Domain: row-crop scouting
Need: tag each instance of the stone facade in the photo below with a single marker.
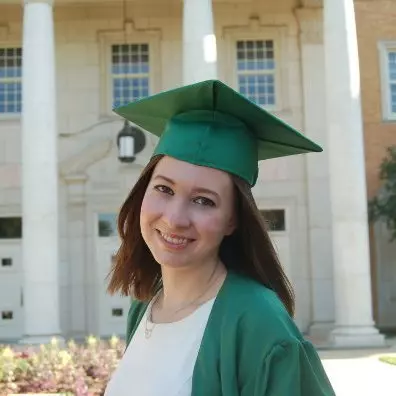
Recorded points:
(93, 182)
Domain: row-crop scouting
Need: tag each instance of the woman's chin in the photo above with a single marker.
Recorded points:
(169, 260)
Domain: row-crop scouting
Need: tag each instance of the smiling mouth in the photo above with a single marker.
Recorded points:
(175, 240)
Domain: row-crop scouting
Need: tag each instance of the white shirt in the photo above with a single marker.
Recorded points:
(162, 364)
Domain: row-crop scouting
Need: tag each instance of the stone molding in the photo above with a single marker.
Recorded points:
(310, 21)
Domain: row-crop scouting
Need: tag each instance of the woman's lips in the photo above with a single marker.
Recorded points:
(173, 240)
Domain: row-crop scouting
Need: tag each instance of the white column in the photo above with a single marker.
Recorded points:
(199, 42)
(77, 289)
(39, 174)
(318, 185)
(353, 310)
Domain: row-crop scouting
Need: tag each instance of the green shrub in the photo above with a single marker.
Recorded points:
(383, 206)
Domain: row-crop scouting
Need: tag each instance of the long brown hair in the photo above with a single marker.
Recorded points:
(248, 251)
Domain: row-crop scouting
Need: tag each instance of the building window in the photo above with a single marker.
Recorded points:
(6, 262)
(275, 219)
(7, 315)
(10, 80)
(117, 312)
(256, 71)
(387, 52)
(392, 81)
(130, 72)
(107, 225)
(10, 228)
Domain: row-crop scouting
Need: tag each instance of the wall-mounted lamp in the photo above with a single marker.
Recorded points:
(130, 141)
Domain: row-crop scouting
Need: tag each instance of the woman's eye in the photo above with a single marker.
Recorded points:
(163, 189)
(204, 201)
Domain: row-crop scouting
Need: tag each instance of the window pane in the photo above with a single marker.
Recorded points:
(392, 56)
(130, 69)
(259, 88)
(117, 312)
(256, 71)
(393, 97)
(275, 219)
(392, 80)
(10, 227)
(6, 262)
(255, 55)
(392, 65)
(7, 315)
(107, 224)
(10, 80)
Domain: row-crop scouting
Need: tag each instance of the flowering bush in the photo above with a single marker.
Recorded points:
(80, 370)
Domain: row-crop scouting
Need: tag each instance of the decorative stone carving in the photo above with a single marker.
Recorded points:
(77, 164)
(76, 188)
(310, 21)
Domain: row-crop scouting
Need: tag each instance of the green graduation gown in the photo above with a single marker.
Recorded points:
(250, 347)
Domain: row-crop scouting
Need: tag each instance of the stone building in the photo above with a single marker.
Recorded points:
(64, 64)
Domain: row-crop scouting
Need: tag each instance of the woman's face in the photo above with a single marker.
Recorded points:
(186, 212)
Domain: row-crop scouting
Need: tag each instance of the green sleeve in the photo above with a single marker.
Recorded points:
(293, 368)
(135, 314)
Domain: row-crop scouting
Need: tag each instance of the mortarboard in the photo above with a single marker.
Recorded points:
(210, 124)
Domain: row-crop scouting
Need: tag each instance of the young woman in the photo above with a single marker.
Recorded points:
(212, 307)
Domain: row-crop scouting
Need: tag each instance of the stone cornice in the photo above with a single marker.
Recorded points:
(49, 2)
(312, 3)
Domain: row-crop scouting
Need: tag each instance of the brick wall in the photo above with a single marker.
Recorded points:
(376, 21)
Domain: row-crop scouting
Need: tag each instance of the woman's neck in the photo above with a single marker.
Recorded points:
(193, 285)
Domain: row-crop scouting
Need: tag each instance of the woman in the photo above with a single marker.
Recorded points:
(212, 310)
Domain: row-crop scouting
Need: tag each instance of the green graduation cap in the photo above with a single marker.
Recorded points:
(210, 124)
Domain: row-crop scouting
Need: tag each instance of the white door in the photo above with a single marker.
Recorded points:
(113, 310)
(280, 235)
(11, 293)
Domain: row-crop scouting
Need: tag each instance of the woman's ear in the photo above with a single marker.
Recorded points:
(232, 224)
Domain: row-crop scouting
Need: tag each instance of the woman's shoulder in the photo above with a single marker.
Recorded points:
(250, 295)
(257, 309)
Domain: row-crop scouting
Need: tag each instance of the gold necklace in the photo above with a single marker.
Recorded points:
(148, 331)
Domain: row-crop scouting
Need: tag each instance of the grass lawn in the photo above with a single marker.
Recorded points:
(388, 359)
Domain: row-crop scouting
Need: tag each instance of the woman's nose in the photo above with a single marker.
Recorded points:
(176, 215)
